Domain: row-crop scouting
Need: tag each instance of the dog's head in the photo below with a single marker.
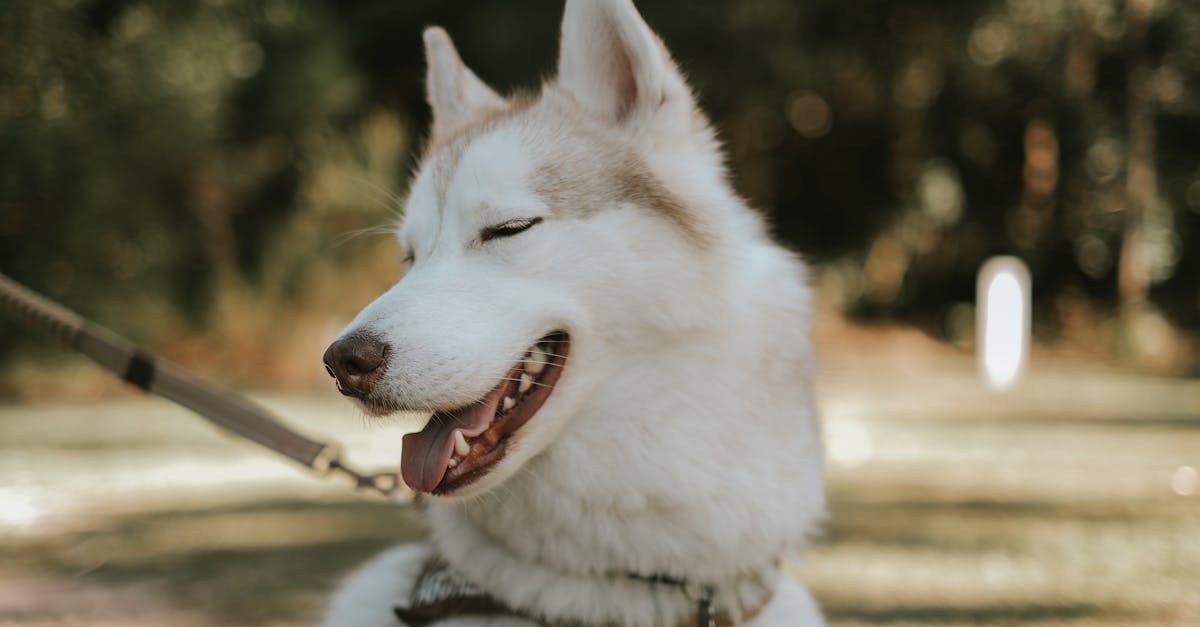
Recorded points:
(545, 237)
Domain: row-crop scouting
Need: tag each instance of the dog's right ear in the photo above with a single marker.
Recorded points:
(455, 94)
(615, 66)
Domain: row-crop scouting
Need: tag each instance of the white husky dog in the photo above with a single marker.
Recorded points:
(615, 355)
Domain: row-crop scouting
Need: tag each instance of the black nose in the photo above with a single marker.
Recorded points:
(357, 362)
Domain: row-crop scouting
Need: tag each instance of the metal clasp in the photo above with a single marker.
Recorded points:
(384, 482)
(706, 616)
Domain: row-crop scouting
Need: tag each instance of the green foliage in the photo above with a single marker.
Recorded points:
(154, 154)
(152, 151)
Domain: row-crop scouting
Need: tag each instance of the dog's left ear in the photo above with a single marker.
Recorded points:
(614, 65)
(455, 94)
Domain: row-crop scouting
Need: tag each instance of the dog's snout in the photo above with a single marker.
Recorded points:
(357, 362)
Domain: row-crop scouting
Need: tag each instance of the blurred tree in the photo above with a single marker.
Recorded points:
(156, 157)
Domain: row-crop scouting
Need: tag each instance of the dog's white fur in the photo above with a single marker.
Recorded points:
(681, 438)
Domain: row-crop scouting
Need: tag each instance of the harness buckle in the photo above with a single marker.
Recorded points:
(705, 616)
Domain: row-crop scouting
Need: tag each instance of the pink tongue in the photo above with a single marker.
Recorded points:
(426, 453)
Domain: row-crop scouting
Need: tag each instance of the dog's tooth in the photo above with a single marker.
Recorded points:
(536, 362)
(509, 402)
(452, 463)
(526, 383)
(460, 443)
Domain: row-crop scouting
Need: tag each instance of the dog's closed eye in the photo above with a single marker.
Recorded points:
(507, 229)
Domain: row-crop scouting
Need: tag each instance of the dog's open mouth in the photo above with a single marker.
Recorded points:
(461, 445)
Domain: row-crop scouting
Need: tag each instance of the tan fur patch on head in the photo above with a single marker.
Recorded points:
(641, 187)
(584, 167)
(584, 187)
(442, 153)
(481, 122)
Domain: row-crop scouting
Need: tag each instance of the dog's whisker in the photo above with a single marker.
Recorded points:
(394, 202)
(517, 360)
(551, 355)
(380, 229)
(537, 383)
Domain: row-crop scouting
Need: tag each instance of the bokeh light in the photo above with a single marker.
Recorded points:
(848, 442)
(1004, 306)
(1185, 480)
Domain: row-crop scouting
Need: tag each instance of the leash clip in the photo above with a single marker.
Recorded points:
(705, 617)
(703, 595)
(330, 460)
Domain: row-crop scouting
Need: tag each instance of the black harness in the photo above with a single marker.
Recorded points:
(440, 593)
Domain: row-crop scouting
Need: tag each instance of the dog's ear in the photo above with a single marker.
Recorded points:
(614, 65)
(455, 94)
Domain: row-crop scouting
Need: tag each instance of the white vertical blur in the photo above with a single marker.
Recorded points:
(1185, 480)
(1003, 306)
(18, 509)
(848, 441)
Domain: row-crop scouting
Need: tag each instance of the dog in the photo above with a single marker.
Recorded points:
(614, 354)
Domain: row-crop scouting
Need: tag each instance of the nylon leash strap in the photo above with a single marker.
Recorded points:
(224, 408)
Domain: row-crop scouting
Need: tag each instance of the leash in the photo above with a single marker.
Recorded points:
(222, 407)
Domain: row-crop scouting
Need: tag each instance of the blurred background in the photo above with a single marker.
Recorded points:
(216, 180)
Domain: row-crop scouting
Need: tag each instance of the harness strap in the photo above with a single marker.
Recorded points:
(440, 593)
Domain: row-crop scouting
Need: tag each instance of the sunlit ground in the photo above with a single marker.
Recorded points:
(1071, 500)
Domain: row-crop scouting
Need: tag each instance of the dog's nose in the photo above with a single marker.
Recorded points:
(357, 362)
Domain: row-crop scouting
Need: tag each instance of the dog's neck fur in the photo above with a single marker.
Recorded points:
(606, 501)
